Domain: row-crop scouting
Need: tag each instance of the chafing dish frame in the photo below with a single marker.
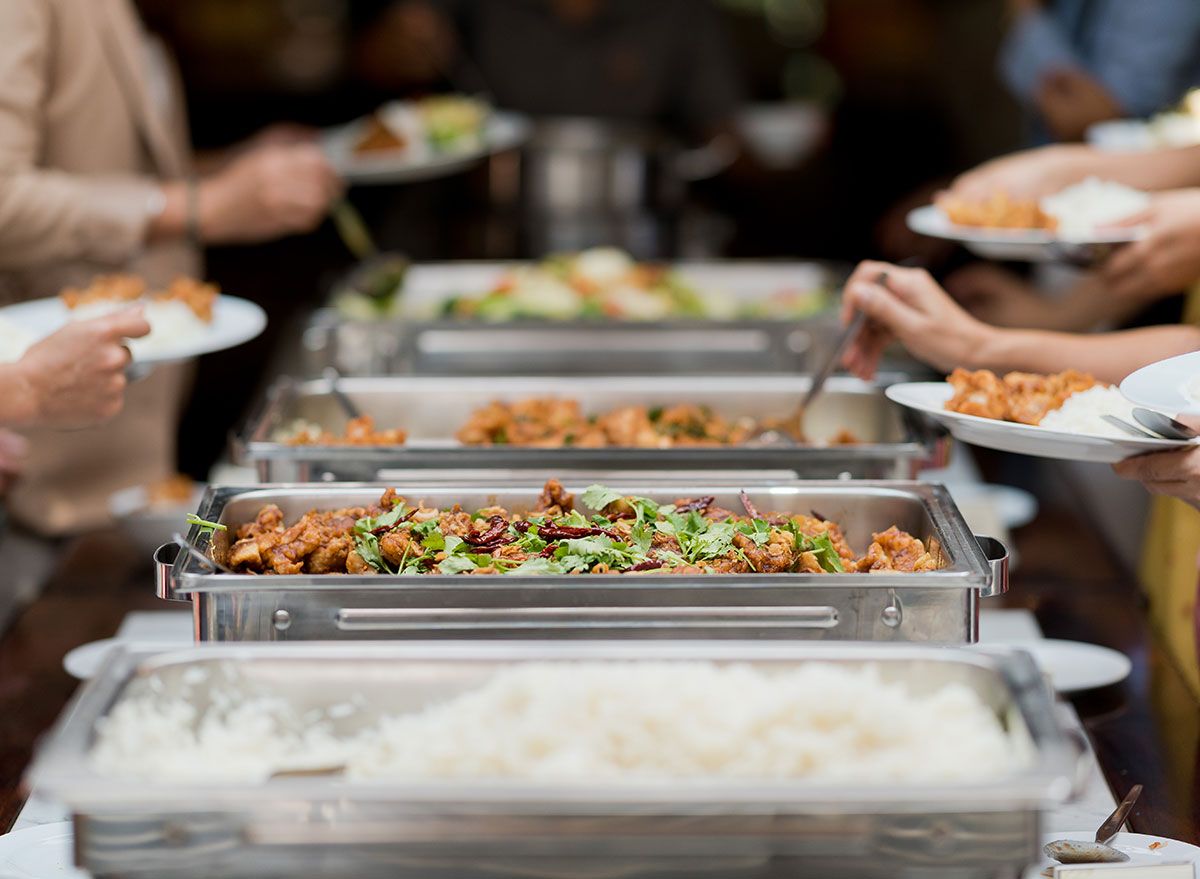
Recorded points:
(939, 606)
(434, 408)
(335, 827)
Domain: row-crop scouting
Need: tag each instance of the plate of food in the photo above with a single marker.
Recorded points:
(1141, 849)
(408, 141)
(150, 514)
(1046, 416)
(187, 319)
(1171, 386)
(1076, 224)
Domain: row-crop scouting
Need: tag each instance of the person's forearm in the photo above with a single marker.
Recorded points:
(1108, 356)
(1177, 168)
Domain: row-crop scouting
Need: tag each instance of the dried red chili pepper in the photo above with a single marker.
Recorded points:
(386, 529)
(699, 505)
(648, 565)
(497, 529)
(572, 532)
(751, 510)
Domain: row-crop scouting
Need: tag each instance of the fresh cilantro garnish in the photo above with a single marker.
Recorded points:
(457, 564)
(820, 546)
(597, 497)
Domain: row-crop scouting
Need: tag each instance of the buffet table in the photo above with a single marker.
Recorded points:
(1065, 583)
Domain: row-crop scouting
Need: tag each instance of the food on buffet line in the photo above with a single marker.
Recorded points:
(170, 492)
(184, 308)
(552, 422)
(1076, 211)
(359, 432)
(623, 535)
(438, 124)
(583, 721)
(1068, 402)
(606, 283)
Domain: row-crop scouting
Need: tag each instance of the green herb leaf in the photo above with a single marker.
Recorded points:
(597, 497)
(457, 564)
(206, 527)
(537, 566)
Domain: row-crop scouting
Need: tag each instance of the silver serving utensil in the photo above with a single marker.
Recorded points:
(1131, 429)
(1071, 851)
(352, 229)
(311, 772)
(348, 406)
(795, 422)
(199, 554)
(1163, 425)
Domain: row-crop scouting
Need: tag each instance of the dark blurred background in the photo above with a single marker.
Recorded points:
(840, 109)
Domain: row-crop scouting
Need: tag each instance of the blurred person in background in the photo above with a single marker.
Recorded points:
(666, 62)
(909, 306)
(1074, 63)
(97, 175)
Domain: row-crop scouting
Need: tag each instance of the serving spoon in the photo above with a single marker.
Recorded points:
(1163, 425)
(1073, 851)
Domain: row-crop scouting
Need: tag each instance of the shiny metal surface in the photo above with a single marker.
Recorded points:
(329, 826)
(939, 606)
(896, 444)
(421, 342)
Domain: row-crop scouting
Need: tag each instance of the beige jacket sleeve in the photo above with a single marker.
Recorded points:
(48, 215)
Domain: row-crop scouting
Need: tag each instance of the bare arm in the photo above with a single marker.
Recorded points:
(908, 305)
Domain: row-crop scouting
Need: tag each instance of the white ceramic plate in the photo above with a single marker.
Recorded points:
(1074, 666)
(43, 852)
(1024, 439)
(1164, 385)
(1136, 845)
(502, 131)
(1021, 245)
(235, 321)
(86, 660)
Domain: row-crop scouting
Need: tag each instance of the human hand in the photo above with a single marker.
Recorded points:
(1167, 259)
(1029, 174)
(13, 448)
(909, 306)
(76, 377)
(1071, 100)
(1000, 297)
(1174, 473)
(279, 134)
(267, 193)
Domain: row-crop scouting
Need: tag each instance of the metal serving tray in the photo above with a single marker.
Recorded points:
(897, 443)
(333, 827)
(420, 342)
(939, 606)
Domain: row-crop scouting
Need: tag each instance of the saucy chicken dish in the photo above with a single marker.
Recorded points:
(553, 422)
(999, 211)
(107, 291)
(622, 535)
(1022, 397)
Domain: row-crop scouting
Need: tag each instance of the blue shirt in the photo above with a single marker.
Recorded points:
(1145, 52)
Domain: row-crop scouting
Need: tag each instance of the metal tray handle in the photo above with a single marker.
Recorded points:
(384, 619)
(997, 555)
(164, 567)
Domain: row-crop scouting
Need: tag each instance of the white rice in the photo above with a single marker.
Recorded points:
(170, 322)
(1191, 389)
(1086, 206)
(630, 721)
(1082, 413)
(14, 341)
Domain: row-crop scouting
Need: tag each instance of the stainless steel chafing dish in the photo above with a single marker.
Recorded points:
(940, 606)
(421, 342)
(328, 826)
(896, 442)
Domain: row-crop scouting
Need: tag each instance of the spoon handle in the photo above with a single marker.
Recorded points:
(1114, 821)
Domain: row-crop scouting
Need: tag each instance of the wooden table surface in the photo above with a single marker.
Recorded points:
(1145, 730)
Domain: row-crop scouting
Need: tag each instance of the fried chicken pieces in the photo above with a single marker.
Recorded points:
(1022, 397)
(999, 211)
(359, 432)
(196, 295)
(325, 542)
(553, 423)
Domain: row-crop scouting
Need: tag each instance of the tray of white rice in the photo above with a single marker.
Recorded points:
(560, 760)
